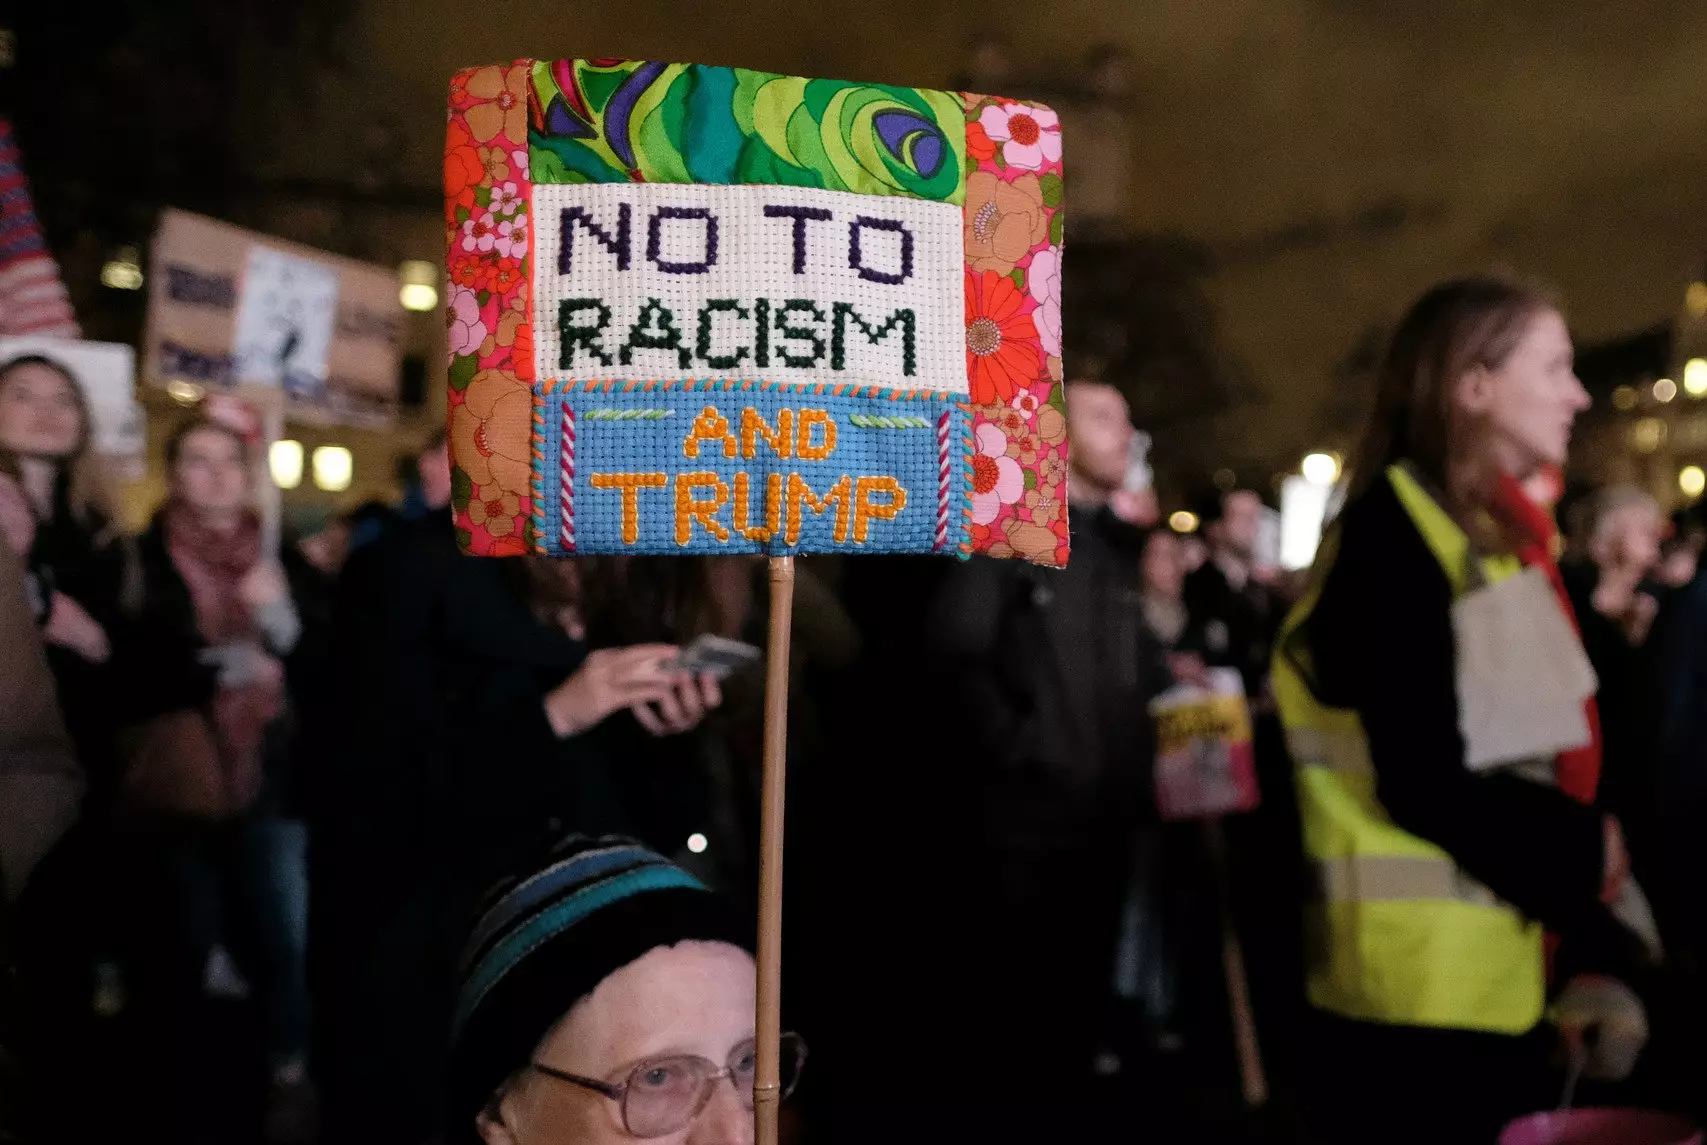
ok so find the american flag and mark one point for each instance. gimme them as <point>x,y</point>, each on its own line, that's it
<point>32,297</point>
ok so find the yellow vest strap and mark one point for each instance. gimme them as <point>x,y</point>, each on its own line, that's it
<point>1398,878</point>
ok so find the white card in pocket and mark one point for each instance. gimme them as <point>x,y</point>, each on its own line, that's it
<point>1522,674</point>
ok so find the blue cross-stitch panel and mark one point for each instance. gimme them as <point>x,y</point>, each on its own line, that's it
<point>859,471</point>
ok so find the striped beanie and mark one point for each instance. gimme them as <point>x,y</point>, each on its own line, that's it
<point>547,936</point>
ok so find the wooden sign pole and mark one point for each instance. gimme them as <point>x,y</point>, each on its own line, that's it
<point>767,1088</point>
<point>1252,1079</point>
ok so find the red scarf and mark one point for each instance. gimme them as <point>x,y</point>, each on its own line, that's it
<point>1578,769</point>
<point>214,564</point>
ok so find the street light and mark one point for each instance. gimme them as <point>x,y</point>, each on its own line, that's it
<point>418,284</point>
<point>1320,468</point>
<point>124,270</point>
<point>1183,522</point>
<point>1695,377</point>
<point>333,468</point>
<point>1691,480</point>
<point>1664,390</point>
<point>284,459</point>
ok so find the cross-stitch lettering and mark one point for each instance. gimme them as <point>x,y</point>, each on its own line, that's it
<point>654,239</point>
<point>703,346</point>
<point>630,484</point>
<point>789,330</point>
<point>801,216</point>
<point>665,336</point>
<point>856,262</point>
<point>902,318</point>
<point>773,508</point>
<point>572,333</point>
<point>574,216</point>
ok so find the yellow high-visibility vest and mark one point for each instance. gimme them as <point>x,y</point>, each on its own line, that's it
<point>1398,934</point>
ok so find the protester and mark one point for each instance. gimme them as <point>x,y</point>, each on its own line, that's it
<point>77,558</point>
<point>40,782</point>
<point>380,920</point>
<point>1618,605</point>
<point>207,684</point>
<point>1429,973</point>
<point>1234,612</point>
<point>1049,674</point>
<point>607,996</point>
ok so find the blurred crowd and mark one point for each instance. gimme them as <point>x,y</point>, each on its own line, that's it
<point>249,802</point>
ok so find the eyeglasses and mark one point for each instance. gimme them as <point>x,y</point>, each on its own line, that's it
<point>663,1095</point>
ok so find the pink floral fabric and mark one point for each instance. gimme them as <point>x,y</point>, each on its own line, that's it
<point>1014,221</point>
<point>488,200</point>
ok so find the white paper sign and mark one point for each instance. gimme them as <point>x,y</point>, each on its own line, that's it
<point>1522,674</point>
<point>106,373</point>
<point>284,321</point>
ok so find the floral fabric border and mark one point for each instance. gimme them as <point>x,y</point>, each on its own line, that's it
<point>1014,222</point>
<point>488,239</point>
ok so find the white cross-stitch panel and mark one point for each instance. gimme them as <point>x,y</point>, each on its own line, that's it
<point>806,260</point>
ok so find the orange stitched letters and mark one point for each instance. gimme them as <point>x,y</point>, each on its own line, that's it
<point>709,426</point>
<point>800,493</point>
<point>630,484</point>
<point>864,509</point>
<point>690,508</point>
<point>754,426</point>
<point>806,450</point>
<point>773,507</point>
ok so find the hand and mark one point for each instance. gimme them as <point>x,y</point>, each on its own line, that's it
<point>69,626</point>
<point>680,709</point>
<point>609,680</point>
<point>1188,668</point>
<point>1135,507</point>
<point>17,521</point>
<point>264,586</point>
<point>1603,1022</point>
<point>1615,868</point>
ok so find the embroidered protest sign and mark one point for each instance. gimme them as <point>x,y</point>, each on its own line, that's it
<point>700,309</point>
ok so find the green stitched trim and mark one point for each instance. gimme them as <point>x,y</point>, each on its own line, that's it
<point>866,421</point>
<point>627,414</point>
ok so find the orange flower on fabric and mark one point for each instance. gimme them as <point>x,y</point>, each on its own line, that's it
<point>1003,354</point>
<point>501,104</point>
<point>510,546</point>
<point>489,432</point>
<point>978,143</point>
<point>1004,221</point>
<point>463,169</point>
<point>494,510</point>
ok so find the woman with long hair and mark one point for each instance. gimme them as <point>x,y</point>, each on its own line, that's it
<point>206,675</point>
<point>1440,870</point>
<point>77,558</point>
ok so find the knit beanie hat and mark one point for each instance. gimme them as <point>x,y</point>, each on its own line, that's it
<point>547,936</point>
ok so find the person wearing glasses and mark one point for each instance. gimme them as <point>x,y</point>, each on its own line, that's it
<point>607,996</point>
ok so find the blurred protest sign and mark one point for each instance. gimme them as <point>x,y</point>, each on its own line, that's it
<point>106,373</point>
<point>1204,761</point>
<point>229,306</point>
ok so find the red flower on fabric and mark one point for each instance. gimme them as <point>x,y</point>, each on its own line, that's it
<point>472,273</point>
<point>511,546</point>
<point>1003,354</point>
<point>463,169</point>
<point>978,143</point>
<point>505,275</point>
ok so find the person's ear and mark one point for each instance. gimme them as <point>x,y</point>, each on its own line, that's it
<point>490,1124</point>
<point>1475,389</point>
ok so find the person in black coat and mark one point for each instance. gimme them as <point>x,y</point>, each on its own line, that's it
<point>1049,674</point>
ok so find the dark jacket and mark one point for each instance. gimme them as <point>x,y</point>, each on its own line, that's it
<point>508,778</point>
<point>1235,627</point>
<point>1381,643</point>
<point>89,563</point>
<point>1048,673</point>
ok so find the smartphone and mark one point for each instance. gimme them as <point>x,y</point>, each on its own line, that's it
<point>716,656</point>
<point>1139,476</point>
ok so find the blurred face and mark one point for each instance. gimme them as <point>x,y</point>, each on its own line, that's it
<point>1163,570</point>
<point>434,469</point>
<point>211,476</point>
<point>694,998</point>
<point>1522,412</point>
<point>1100,427</point>
<point>39,413</point>
<point>1630,539</point>
<point>1241,518</point>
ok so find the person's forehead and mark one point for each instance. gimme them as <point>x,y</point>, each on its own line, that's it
<point>1094,397</point>
<point>694,997</point>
